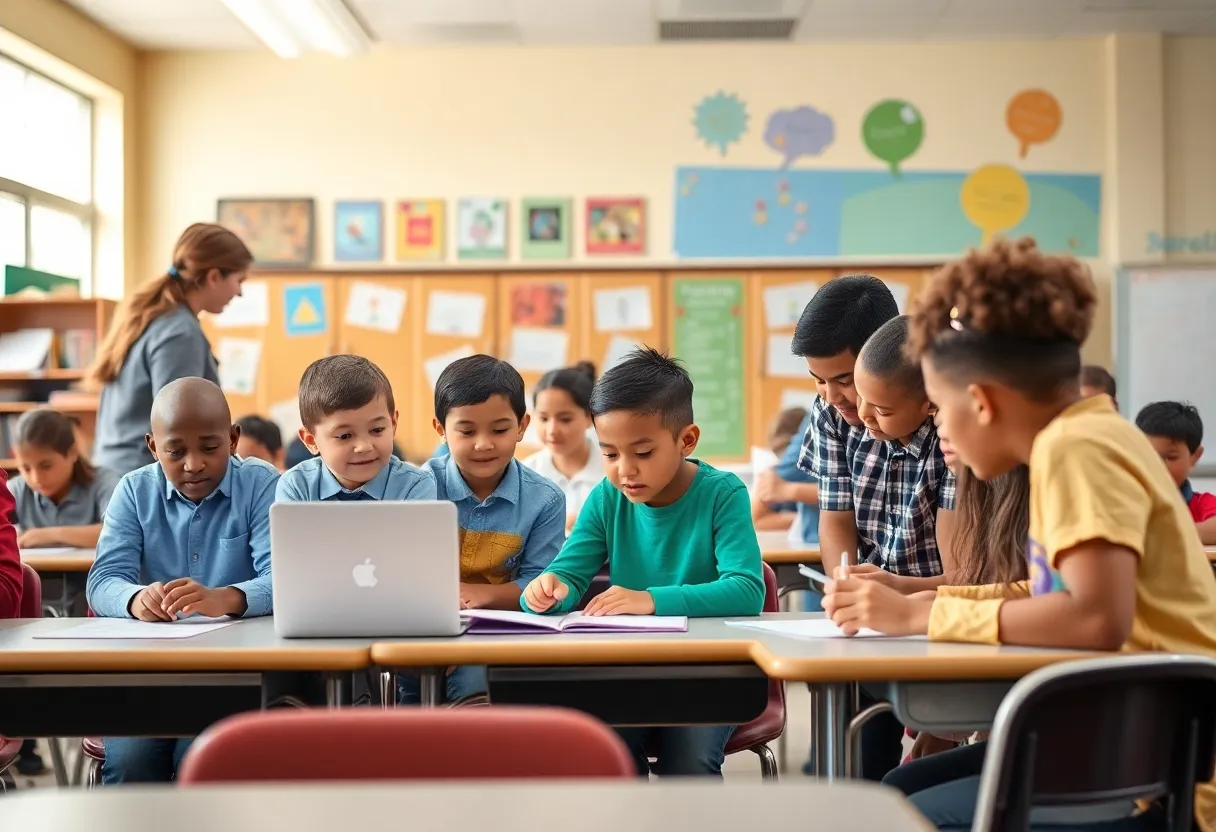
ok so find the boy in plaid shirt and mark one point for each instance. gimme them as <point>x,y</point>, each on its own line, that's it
<point>884,488</point>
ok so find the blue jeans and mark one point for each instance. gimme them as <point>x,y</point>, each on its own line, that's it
<point>681,750</point>
<point>812,601</point>
<point>141,760</point>
<point>461,683</point>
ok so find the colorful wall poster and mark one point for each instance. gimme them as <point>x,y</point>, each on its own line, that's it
<point>420,229</point>
<point>708,338</point>
<point>1033,117</point>
<point>304,310</point>
<point>892,130</point>
<point>616,226</point>
<point>358,232</point>
<point>278,231</point>
<point>538,304</point>
<point>726,212</point>
<point>545,228</point>
<point>720,120</point>
<point>481,228</point>
<point>802,131</point>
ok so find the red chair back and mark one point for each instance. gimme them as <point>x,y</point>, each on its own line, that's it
<point>772,600</point>
<point>293,745</point>
<point>31,592</point>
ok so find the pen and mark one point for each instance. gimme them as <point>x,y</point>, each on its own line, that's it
<point>813,574</point>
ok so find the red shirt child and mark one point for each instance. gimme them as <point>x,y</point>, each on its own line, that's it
<point>10,558</point>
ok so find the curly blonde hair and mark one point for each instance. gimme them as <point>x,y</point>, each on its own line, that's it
<point>1009,311</point>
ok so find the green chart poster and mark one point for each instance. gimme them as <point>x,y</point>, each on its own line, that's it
<point>709,340</point>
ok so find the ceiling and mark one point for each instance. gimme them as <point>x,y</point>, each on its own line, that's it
<point>207,24</point>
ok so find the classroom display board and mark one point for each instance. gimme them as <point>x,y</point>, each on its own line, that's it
<point>708,330</point>
<point>1164,347</point>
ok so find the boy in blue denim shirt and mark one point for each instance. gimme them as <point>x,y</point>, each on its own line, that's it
<point>512,519</point>
<point>186,535</point>
<point>349,417</point>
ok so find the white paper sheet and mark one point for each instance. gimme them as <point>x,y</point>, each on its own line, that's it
<point>45,551</point>
<point>797,398</point>
<point>238,359</point>
<point>813,628</point>
<point>130,628</point>
<point>286,415</point>
<point>623,310</point>
<point>618,350</point>
<point>455,313</point>
<point>781,363</point>
<point>783,304</point>
<point>900,290</point>
<point>538,350</point>
<point>436,364</point>
<point>252,308</point>
<point>25,350</point>
<point>375,306</point>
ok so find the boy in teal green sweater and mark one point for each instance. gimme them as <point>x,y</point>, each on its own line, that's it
<point>676,534</point>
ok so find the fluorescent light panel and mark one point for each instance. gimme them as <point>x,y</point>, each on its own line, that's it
<point>291,27</point>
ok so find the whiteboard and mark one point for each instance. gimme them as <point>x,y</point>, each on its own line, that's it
<point>1165,342</point>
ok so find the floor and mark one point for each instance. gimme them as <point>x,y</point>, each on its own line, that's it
<point>739,767</point>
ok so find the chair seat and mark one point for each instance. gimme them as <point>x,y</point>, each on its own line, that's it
<point>94,748</point>
<point>763,729</point>
<point>9,749</point>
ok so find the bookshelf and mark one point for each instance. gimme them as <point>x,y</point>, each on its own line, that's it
<point>78,325</point>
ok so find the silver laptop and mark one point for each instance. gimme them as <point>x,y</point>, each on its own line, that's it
<point>365,569</point>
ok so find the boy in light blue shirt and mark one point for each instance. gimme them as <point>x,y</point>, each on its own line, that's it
<point>349,418</point>
<point>512,519</point>
<point>187,535</point>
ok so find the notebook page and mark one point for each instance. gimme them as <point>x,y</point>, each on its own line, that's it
<point>518,618</point>
<point>651,623</point>
<point>813,628</point>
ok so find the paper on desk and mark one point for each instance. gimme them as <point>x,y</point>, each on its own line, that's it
<point>46,551</point>
<point>130,628</point>
<point>813,628</point>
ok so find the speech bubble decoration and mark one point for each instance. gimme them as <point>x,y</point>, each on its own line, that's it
<point>893,130</point>
<point>803,131</point>
<point>721,120</point>
<point>995,198</point>
<point>1033,117</point>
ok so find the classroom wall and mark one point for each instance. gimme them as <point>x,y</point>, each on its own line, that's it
<point>73,38</point>
<point>1190,162</point>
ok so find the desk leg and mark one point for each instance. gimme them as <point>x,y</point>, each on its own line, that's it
<point>337,690</point>
<point>388,688</point>
<point>835,709</point>
<point>430,686</point>
<point>57,763</point>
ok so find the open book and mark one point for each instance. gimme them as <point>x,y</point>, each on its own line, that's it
<point>506,622</point>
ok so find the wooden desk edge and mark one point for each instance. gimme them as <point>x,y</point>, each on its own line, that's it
<point>209,660</point>
<point>558,650</point>
<point>57,563</point>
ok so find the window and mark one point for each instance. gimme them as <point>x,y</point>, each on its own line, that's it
<point>46,174</point>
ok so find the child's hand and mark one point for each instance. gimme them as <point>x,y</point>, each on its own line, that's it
<point>856,604</point>
<point>33,538</point>
<point>545,591</point>
<point>475,596</point>
<point>870,572</point>
<point>146,605</point>
<point>617,600</point>
<point>188,596</point>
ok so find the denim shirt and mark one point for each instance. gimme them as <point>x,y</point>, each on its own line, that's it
<point>514,533</point>
<point>311,481</point>
<point>152,533</point>
<point>788,470</point>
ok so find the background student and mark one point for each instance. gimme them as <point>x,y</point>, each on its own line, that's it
<point>61,498</point>
<point>1176,433</point>
<point>570,456</point>
<point>155,338</point>
<point>261,439</point>
<point>775,503</point>
<point>1097,381</point>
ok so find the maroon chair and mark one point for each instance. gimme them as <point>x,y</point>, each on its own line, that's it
<point>31,607</point>
<point>406,744</point>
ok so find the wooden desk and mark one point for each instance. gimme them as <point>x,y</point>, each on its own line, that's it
<point>61,687</point>
<point>776,547</point>
<point>59,559</point>
<point>469,807</point>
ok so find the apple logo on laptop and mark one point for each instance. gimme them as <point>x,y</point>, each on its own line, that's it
<point>365,574</point>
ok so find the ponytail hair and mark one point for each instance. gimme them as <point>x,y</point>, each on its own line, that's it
<point>577,381</point>
<point>46,428</point>
<point>202,248</point>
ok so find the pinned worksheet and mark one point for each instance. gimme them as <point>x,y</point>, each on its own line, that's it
<point>436,364</point>
<point>781,362</point>
<point>455,313</point>
<point>623,310</point>
<point>375,306</point>
<point>250,308</point>
<point>238,359</point>
<point>538,350</point>
<point>783,304</point>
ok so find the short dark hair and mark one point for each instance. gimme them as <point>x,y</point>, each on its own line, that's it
<point>842,315</point>
<point>578,381</point>
<point>263,431</point>
<point>475,379</point>
<point>1177,421</point>
<point>646,382</point>
<point>1094,376</point>
<point>341,382</point>
<point>884,356</point>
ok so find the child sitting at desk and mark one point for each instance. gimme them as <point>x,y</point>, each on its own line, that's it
<point>775,506</point>
<point>1176,432</point>
<point>999,336</point>
<point>186,535</point>
<point>676,534</point>
<point>349,417</point>
<point>261,439</point>
<point>512,519</point>
<point>61,498</point>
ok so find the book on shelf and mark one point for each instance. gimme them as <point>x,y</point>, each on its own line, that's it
<point>77,347</point>
<point>25,350</point>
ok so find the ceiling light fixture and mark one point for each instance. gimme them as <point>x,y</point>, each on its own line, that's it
<point>292,27</point>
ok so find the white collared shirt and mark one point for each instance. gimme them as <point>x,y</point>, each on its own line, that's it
<point>577,487</point>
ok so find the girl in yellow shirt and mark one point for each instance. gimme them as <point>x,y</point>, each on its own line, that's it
<point>1114,560</point>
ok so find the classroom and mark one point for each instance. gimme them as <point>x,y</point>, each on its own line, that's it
<point>791,411</point>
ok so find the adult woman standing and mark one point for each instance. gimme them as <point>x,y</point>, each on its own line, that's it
<point>156,338</point>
